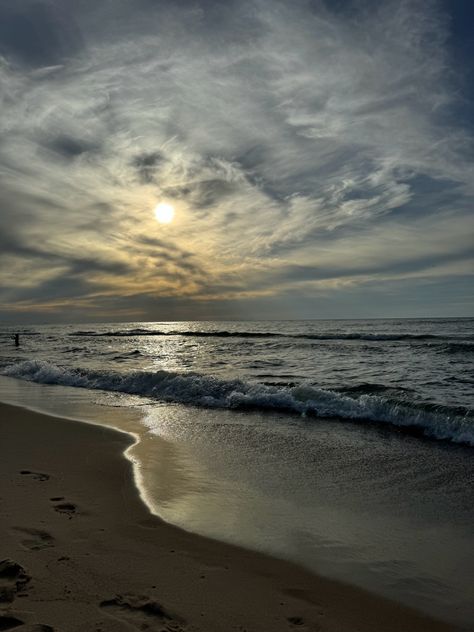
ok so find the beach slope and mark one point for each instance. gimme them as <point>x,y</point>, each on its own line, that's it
<point>79,551</point>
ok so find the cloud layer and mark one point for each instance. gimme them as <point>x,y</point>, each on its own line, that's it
<point>313,156</point>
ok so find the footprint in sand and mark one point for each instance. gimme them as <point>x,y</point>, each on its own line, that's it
<point>35,539</point>
<point>9,623</point>
<point>298,623</point>
<point>13,579</point>
<point>143,613</point>
<point>295,620</point>
<point>64,507</point>
<point>38,476</point>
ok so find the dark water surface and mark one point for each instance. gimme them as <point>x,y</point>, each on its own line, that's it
<point>343,445</point>
<point>404,372</point>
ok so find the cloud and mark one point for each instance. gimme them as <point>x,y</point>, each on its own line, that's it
<point>147,165</point>
<point>37,33</point>
<point>301,143</point>
<point>69,147</point>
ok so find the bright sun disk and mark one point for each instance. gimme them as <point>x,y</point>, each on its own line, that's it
<point>164,213</point>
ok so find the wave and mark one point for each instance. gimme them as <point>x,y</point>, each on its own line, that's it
<point>209,391</point>
<point>373,387</point>
<point>127,355</point>
<point>10,334</point>
<point>265,334</point>
<point>458,347</point>
<point>195,334</point>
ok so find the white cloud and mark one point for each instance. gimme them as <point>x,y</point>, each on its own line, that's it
<point>289,136</point>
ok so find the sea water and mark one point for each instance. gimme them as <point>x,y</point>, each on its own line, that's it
<point>343,445</point>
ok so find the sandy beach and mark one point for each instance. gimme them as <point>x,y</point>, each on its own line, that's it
<point>81,552</point>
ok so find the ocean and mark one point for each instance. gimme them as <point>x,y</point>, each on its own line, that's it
<point>343,445</point>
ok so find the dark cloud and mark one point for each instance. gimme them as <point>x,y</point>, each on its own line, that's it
<point>13,243</point>
<point>147,164</point>
<point>203,194</point>
<point>162,252</point>
<point>432,196</point>
<point>37,33</point>
<point>63,286</point>
<point>89,265</point>
<point>70,147</point>
<point>411,265</point>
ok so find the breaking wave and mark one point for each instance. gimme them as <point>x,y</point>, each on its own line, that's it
<point>264,334</point>
<point>206,390</point>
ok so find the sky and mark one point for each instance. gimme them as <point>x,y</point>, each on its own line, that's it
<point>318,156</point>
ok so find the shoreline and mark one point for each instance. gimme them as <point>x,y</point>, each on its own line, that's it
<point>96,559</point>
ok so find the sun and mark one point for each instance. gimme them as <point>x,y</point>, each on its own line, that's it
<point>164,213</point>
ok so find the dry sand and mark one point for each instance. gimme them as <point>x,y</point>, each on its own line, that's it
<point>79,551</point>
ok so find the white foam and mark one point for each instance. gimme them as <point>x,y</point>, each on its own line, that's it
<point>209,391</point>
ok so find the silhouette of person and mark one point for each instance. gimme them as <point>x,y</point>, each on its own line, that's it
<point>17,340</point>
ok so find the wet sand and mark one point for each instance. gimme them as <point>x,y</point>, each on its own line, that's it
<point>79,551</point>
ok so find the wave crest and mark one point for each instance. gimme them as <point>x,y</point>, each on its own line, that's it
<point>209,391</point>
<point>389,337</point>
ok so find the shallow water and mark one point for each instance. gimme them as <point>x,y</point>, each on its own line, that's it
<point>384,510</point>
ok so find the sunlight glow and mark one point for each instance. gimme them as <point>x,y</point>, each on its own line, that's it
<point>164,213</point>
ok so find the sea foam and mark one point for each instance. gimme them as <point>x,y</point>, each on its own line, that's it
<point>206,390</point>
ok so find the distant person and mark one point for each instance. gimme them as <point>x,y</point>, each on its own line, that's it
<point>17,340</point>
